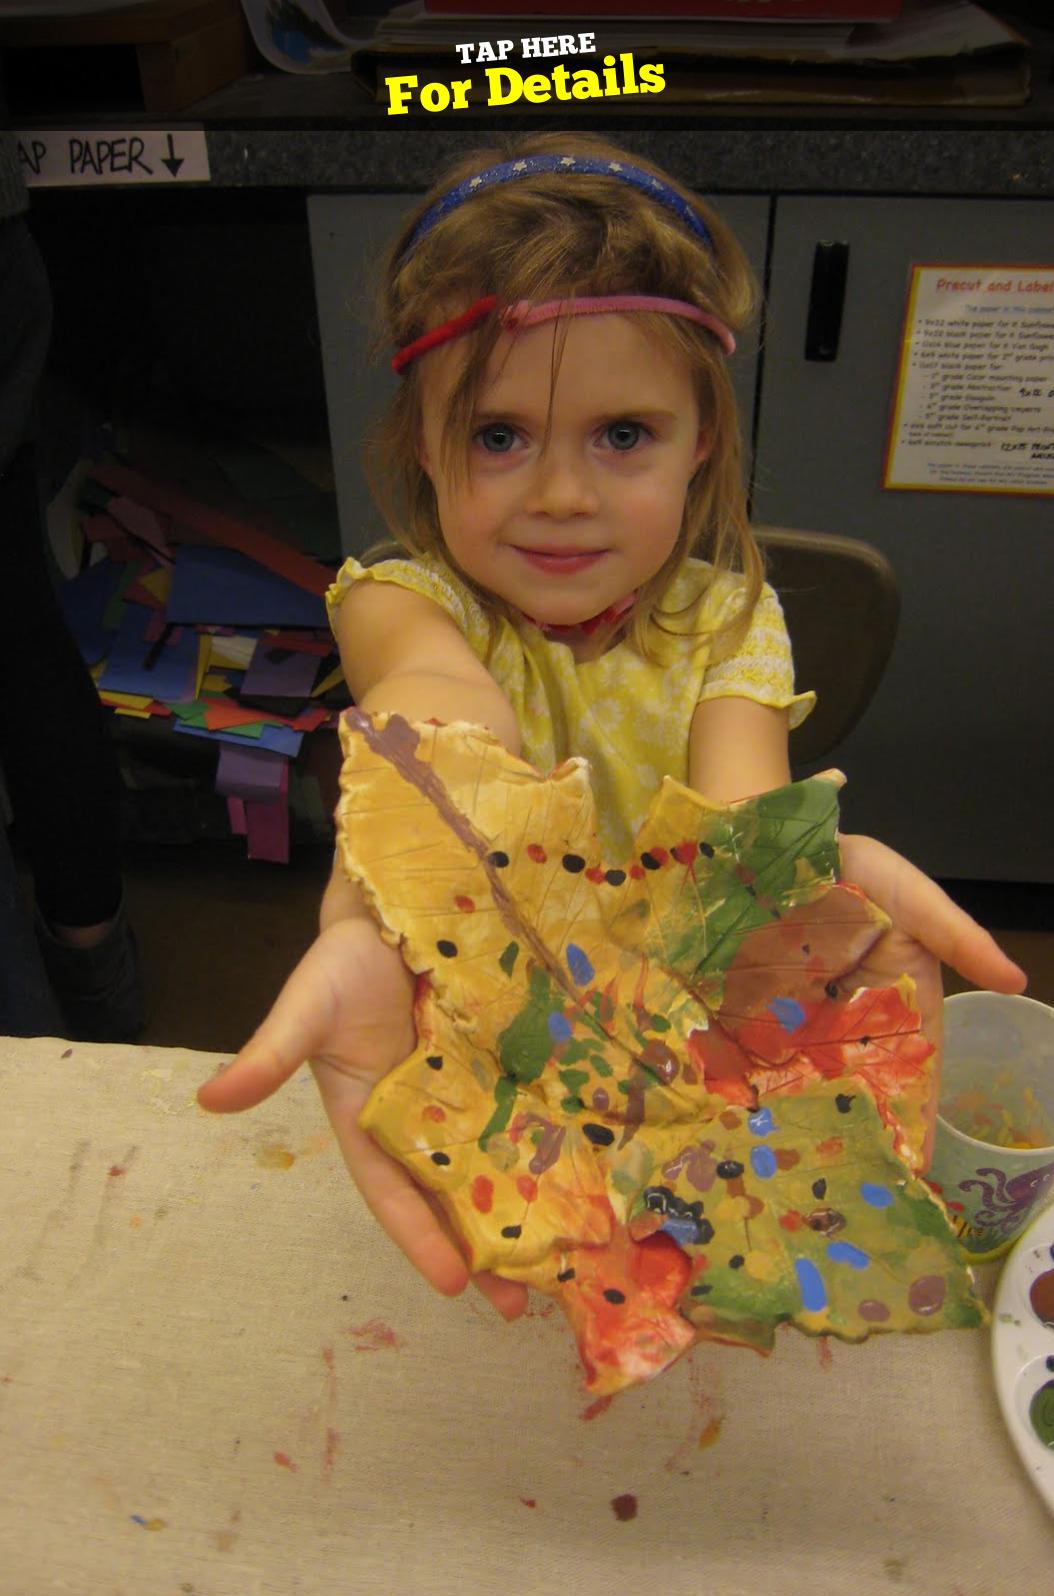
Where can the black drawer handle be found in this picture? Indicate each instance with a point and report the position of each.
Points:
(830, 267)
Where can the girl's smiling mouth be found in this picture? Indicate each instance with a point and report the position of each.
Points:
(561, 561)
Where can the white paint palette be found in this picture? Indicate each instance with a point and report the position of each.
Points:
(1023, 1350)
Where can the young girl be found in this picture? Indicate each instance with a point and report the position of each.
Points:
(561, 469)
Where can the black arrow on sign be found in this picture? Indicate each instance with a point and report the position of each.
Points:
(170, 159)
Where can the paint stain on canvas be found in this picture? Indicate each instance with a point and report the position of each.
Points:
(275, 1157)
(373, 1336)
(624, 1507)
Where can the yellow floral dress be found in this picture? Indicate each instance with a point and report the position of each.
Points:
(628, 716)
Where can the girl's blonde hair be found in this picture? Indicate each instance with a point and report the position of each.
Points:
(555, 236)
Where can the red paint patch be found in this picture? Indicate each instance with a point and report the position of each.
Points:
(826, 1356)
(115, 1170)
(832, 1147)
(327, 1357)
(536, 852)
(433, 1112)
(624, 1507)
(956, 1208)
(373, 1336)
(483, 1194)
(685, 852)
(527, 1187)
(528, 1501)
(466, 905)
(637, 872)
(332, 1448)
(595, 1409)
(284, 1462)
(791, 1220)
(596, 875)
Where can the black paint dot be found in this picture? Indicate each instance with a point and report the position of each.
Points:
(447, 949)
(511, 1231)
(498, 859)
(573, 863)
(706, 850)
(565, 1275)
(440, 1158)
(614, 878)
(844, 1102)
(1050, 1364)
(819, 1188)
(831, 989)
(806, 948)
(613, 1295)
(434, 1062)
(599, 1135)
(702, 1290)
(729, 1169)
(736, 1261)
(649, 861)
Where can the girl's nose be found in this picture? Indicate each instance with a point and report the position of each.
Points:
(561, 486)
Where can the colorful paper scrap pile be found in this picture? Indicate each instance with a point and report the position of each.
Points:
(198, 616)
(655, 1089)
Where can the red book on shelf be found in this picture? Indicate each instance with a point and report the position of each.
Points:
(701, 10)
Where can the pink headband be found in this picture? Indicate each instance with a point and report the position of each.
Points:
(525, 314)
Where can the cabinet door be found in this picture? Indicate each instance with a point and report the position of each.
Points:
(954, 761)
(349, 234)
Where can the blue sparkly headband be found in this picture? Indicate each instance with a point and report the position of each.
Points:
(529, 165)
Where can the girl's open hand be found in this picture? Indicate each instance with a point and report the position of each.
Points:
(928, 929)
(347, 1007)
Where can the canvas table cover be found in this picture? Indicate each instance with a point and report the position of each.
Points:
(218, 1378)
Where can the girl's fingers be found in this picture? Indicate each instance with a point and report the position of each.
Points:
(401, 1209)
(509, 1297)
(920, 909)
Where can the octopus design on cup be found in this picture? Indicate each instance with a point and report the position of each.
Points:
(1008, 1202)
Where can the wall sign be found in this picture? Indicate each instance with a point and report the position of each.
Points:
(59, 158)
(973, 408)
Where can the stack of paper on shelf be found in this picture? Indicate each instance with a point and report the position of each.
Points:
(919, 53)
(198, 616)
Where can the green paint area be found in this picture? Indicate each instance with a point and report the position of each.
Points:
(525, 1044)
(1041, 1413)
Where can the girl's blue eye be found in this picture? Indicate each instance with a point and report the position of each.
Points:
(497, 438)
(624, 434)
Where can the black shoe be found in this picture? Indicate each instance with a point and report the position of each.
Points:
(99, 989)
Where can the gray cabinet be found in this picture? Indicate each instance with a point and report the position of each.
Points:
(954, 762)
(349, 234)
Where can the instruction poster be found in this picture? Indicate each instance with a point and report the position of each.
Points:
(973, 407)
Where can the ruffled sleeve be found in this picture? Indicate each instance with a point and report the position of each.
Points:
(759, 666)
(425, 576)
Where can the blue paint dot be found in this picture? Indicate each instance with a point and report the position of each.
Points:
(578, 964)
(559, 1028)
(763, 1162)
(845, 1252)
(789, 1012)
(761, 1123)
(810, 1284)
(877, 1196)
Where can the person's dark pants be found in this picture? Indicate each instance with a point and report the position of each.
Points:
(58, 764)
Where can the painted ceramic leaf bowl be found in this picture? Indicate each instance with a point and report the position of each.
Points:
(653, 1089)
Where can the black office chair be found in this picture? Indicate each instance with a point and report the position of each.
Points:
(841, 600)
